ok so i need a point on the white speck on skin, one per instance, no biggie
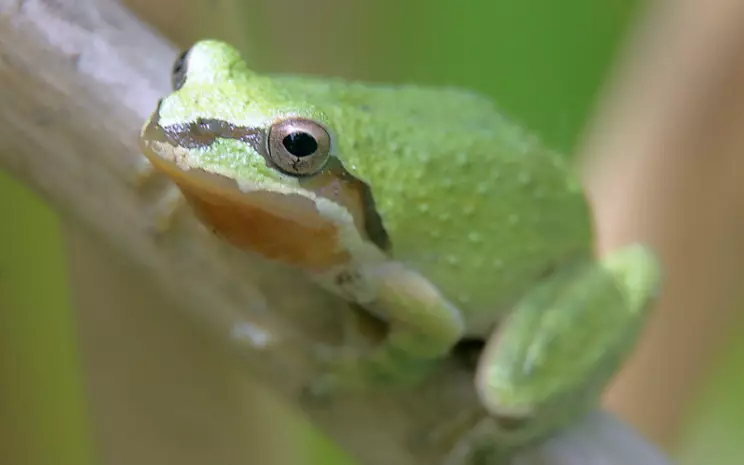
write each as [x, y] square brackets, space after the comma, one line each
[474, 237]
[452, 260]
[478, 262]
[462, 160]
[257, 336]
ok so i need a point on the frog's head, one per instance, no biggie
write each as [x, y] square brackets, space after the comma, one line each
[232, 121]
[257, 163]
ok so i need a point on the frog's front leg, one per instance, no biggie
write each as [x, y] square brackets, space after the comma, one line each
[549, 361]
[423, 326]
[168, 202]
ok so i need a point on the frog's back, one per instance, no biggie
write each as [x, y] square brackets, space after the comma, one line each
[433, 105]
[479, 206]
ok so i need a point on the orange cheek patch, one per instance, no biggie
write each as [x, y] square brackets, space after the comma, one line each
[280, 227]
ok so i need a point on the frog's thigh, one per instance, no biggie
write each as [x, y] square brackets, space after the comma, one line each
[571, 332]
[423, 324]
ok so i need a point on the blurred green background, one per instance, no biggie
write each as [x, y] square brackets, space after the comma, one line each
[543, 61]
[41, 401]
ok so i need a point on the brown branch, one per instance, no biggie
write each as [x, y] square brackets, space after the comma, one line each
[666, 150]
[78, 78]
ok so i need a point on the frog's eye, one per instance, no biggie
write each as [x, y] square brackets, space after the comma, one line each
[178, 74]
[299, 146]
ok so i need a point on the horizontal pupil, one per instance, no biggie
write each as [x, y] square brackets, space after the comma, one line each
[300, 144]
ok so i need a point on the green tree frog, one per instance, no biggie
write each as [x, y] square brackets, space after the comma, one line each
[425, 206]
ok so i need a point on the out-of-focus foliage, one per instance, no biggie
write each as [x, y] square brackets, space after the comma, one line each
[40, 388]
[543, 61]
[713, 432]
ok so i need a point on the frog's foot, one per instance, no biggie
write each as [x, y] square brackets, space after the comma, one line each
[481, 444]
[348, 370]
[448, 435]
[472, 436]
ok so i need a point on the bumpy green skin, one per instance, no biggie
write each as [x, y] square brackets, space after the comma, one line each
[472, 204]
[583, 322]
[468, 199]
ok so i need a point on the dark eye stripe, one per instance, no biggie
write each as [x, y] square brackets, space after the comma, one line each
[205, 131]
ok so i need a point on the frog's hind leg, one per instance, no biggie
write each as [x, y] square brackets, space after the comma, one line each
[552, 357]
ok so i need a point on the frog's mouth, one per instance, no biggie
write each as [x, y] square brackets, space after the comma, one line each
[281, 226]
